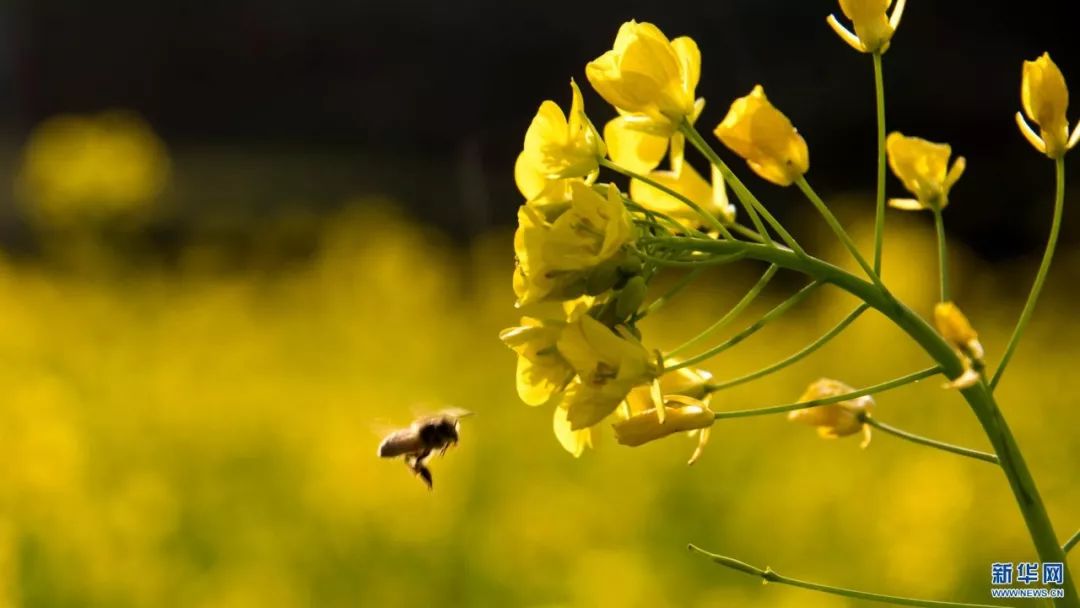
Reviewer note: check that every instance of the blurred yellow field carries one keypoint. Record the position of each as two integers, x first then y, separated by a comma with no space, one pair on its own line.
193,437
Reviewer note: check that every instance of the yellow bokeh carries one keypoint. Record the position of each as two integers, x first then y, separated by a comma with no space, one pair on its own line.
80,167
204,438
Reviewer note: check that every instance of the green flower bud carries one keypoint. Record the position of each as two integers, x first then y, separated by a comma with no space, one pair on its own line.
630,298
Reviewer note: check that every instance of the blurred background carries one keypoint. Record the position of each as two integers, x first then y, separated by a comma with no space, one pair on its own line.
239,241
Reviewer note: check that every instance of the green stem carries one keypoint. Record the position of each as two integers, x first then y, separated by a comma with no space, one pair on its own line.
747,232
768,575
779,310
926,441
879,218
731,314
1040,277
804,352
679,285
1069,544
943,256
709,218
802,405
742,193
979,397
834,223
715,260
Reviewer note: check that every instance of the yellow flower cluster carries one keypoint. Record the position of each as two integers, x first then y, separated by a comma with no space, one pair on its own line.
578,277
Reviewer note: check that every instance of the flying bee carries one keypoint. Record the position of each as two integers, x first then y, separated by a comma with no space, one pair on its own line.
425,435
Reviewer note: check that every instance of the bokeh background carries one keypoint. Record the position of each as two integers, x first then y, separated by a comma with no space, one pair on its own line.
240,240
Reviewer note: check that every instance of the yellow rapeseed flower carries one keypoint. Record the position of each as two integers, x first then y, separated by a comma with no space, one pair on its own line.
649,79
541,371
684,381
923,167
554,258
761,134
608,364
834,419
689,183
874,28
558,146
1045,99
682,414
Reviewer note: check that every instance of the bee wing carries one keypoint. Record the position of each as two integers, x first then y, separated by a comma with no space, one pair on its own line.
403,441
456,412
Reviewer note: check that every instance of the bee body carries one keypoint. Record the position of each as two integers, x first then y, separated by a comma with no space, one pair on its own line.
421,438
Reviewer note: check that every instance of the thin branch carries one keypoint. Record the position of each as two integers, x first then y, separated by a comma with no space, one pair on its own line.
870,390
798,356
1040,276
780,309
768,575
926,441
731,314
1069,544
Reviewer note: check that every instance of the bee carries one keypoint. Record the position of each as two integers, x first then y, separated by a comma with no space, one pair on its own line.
425,435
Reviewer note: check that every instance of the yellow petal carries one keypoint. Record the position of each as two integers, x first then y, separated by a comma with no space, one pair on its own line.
906,204
923,167
633,149
572,441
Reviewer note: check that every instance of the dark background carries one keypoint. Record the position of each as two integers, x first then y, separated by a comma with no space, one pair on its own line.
426,104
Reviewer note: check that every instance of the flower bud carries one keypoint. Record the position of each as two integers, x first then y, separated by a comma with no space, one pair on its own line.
679,414
644,427
630,297
874,29
761,134
1045,99
957,330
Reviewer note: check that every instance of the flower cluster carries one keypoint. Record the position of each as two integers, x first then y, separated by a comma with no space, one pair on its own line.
586,250
580,278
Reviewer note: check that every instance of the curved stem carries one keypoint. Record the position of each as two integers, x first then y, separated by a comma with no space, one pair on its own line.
731,314
943,256
768,575
879,217
780,309
838,229
1040,277
802,405
802,353
709,218
979,396
1069,544
926,441
746,198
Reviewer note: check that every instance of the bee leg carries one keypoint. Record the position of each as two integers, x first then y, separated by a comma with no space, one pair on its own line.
415,462
425,474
